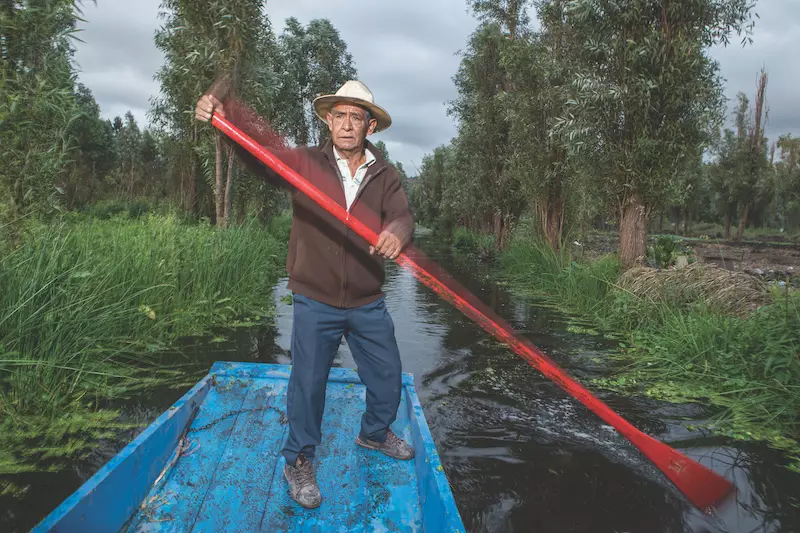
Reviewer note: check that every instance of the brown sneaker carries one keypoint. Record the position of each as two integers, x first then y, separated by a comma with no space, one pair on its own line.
393,446
303,483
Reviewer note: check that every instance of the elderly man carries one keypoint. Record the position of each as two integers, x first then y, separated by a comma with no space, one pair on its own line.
336,278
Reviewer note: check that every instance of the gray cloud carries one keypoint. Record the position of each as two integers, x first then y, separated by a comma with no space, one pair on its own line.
406,53
776,40
118,57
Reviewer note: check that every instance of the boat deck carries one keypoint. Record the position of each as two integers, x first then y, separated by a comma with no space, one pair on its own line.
229,476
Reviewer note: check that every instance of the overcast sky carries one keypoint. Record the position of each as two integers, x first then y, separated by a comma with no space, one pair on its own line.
406,53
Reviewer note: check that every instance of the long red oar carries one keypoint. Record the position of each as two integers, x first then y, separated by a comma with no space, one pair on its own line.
702,486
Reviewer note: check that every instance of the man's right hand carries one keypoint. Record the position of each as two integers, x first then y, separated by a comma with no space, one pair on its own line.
206,107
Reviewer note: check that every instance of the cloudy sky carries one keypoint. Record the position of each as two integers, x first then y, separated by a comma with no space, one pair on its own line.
406,53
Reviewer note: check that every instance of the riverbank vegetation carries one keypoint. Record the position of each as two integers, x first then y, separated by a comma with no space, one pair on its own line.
89,305
693,334
603,123
562,122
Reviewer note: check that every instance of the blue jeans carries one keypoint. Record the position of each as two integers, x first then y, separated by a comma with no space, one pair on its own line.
317,331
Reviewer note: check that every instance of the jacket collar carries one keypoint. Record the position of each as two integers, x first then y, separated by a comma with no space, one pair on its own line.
380,162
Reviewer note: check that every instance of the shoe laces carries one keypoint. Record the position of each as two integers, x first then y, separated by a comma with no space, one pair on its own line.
392,440
305,473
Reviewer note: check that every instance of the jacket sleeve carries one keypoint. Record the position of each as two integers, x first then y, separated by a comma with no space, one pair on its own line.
398,219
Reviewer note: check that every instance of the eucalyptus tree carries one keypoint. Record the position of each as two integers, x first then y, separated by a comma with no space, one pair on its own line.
316,62
787,169
37,102
95,156
203,42
539,67
646,97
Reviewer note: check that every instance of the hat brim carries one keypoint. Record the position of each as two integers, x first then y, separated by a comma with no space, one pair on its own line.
324,104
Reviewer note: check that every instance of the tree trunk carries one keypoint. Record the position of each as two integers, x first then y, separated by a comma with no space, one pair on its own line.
632,231
228,184
727,235
685,222
131,183
501,230
498,230
677,225
742,220
552,219
219,198
241,207
661,222
91,183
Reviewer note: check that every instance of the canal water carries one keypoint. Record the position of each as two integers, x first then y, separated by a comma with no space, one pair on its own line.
521,455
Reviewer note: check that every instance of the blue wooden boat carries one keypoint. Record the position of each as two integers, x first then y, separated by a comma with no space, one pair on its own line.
212,463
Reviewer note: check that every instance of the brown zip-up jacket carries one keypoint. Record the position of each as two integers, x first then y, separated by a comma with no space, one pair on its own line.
327,261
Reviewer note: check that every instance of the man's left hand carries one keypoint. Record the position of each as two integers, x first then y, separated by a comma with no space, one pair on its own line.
388,245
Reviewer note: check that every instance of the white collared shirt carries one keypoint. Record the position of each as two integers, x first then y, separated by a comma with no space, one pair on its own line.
352,183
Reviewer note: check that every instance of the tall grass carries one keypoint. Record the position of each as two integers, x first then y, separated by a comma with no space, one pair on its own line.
85,302
748,367
581,287
465,241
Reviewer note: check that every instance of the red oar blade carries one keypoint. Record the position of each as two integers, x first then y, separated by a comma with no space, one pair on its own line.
706,489
702,487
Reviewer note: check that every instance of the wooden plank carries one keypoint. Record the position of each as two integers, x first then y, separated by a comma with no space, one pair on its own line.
174,505
393,500
238,494
272,371
341,473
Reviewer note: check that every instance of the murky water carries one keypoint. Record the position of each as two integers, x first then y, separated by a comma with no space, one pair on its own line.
521,455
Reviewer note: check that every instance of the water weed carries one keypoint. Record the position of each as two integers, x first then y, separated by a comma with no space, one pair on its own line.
88,305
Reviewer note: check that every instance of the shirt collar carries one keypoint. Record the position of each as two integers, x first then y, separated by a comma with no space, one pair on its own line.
369,155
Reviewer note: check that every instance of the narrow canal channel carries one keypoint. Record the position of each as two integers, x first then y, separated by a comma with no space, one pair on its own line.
521,455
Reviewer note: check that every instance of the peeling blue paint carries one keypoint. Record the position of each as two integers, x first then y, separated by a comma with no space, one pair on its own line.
228,475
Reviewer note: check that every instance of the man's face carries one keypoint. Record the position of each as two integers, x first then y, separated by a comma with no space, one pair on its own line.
349,126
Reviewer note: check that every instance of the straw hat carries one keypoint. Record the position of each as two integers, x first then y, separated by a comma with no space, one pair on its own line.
355,93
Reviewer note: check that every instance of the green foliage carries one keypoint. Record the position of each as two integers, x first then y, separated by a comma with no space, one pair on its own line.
37,105
106,209
83,301
666,249
787,170
480,192
427,196
469,242
203,42
604,106
316,62
747,367
533,265
648,59
42,443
